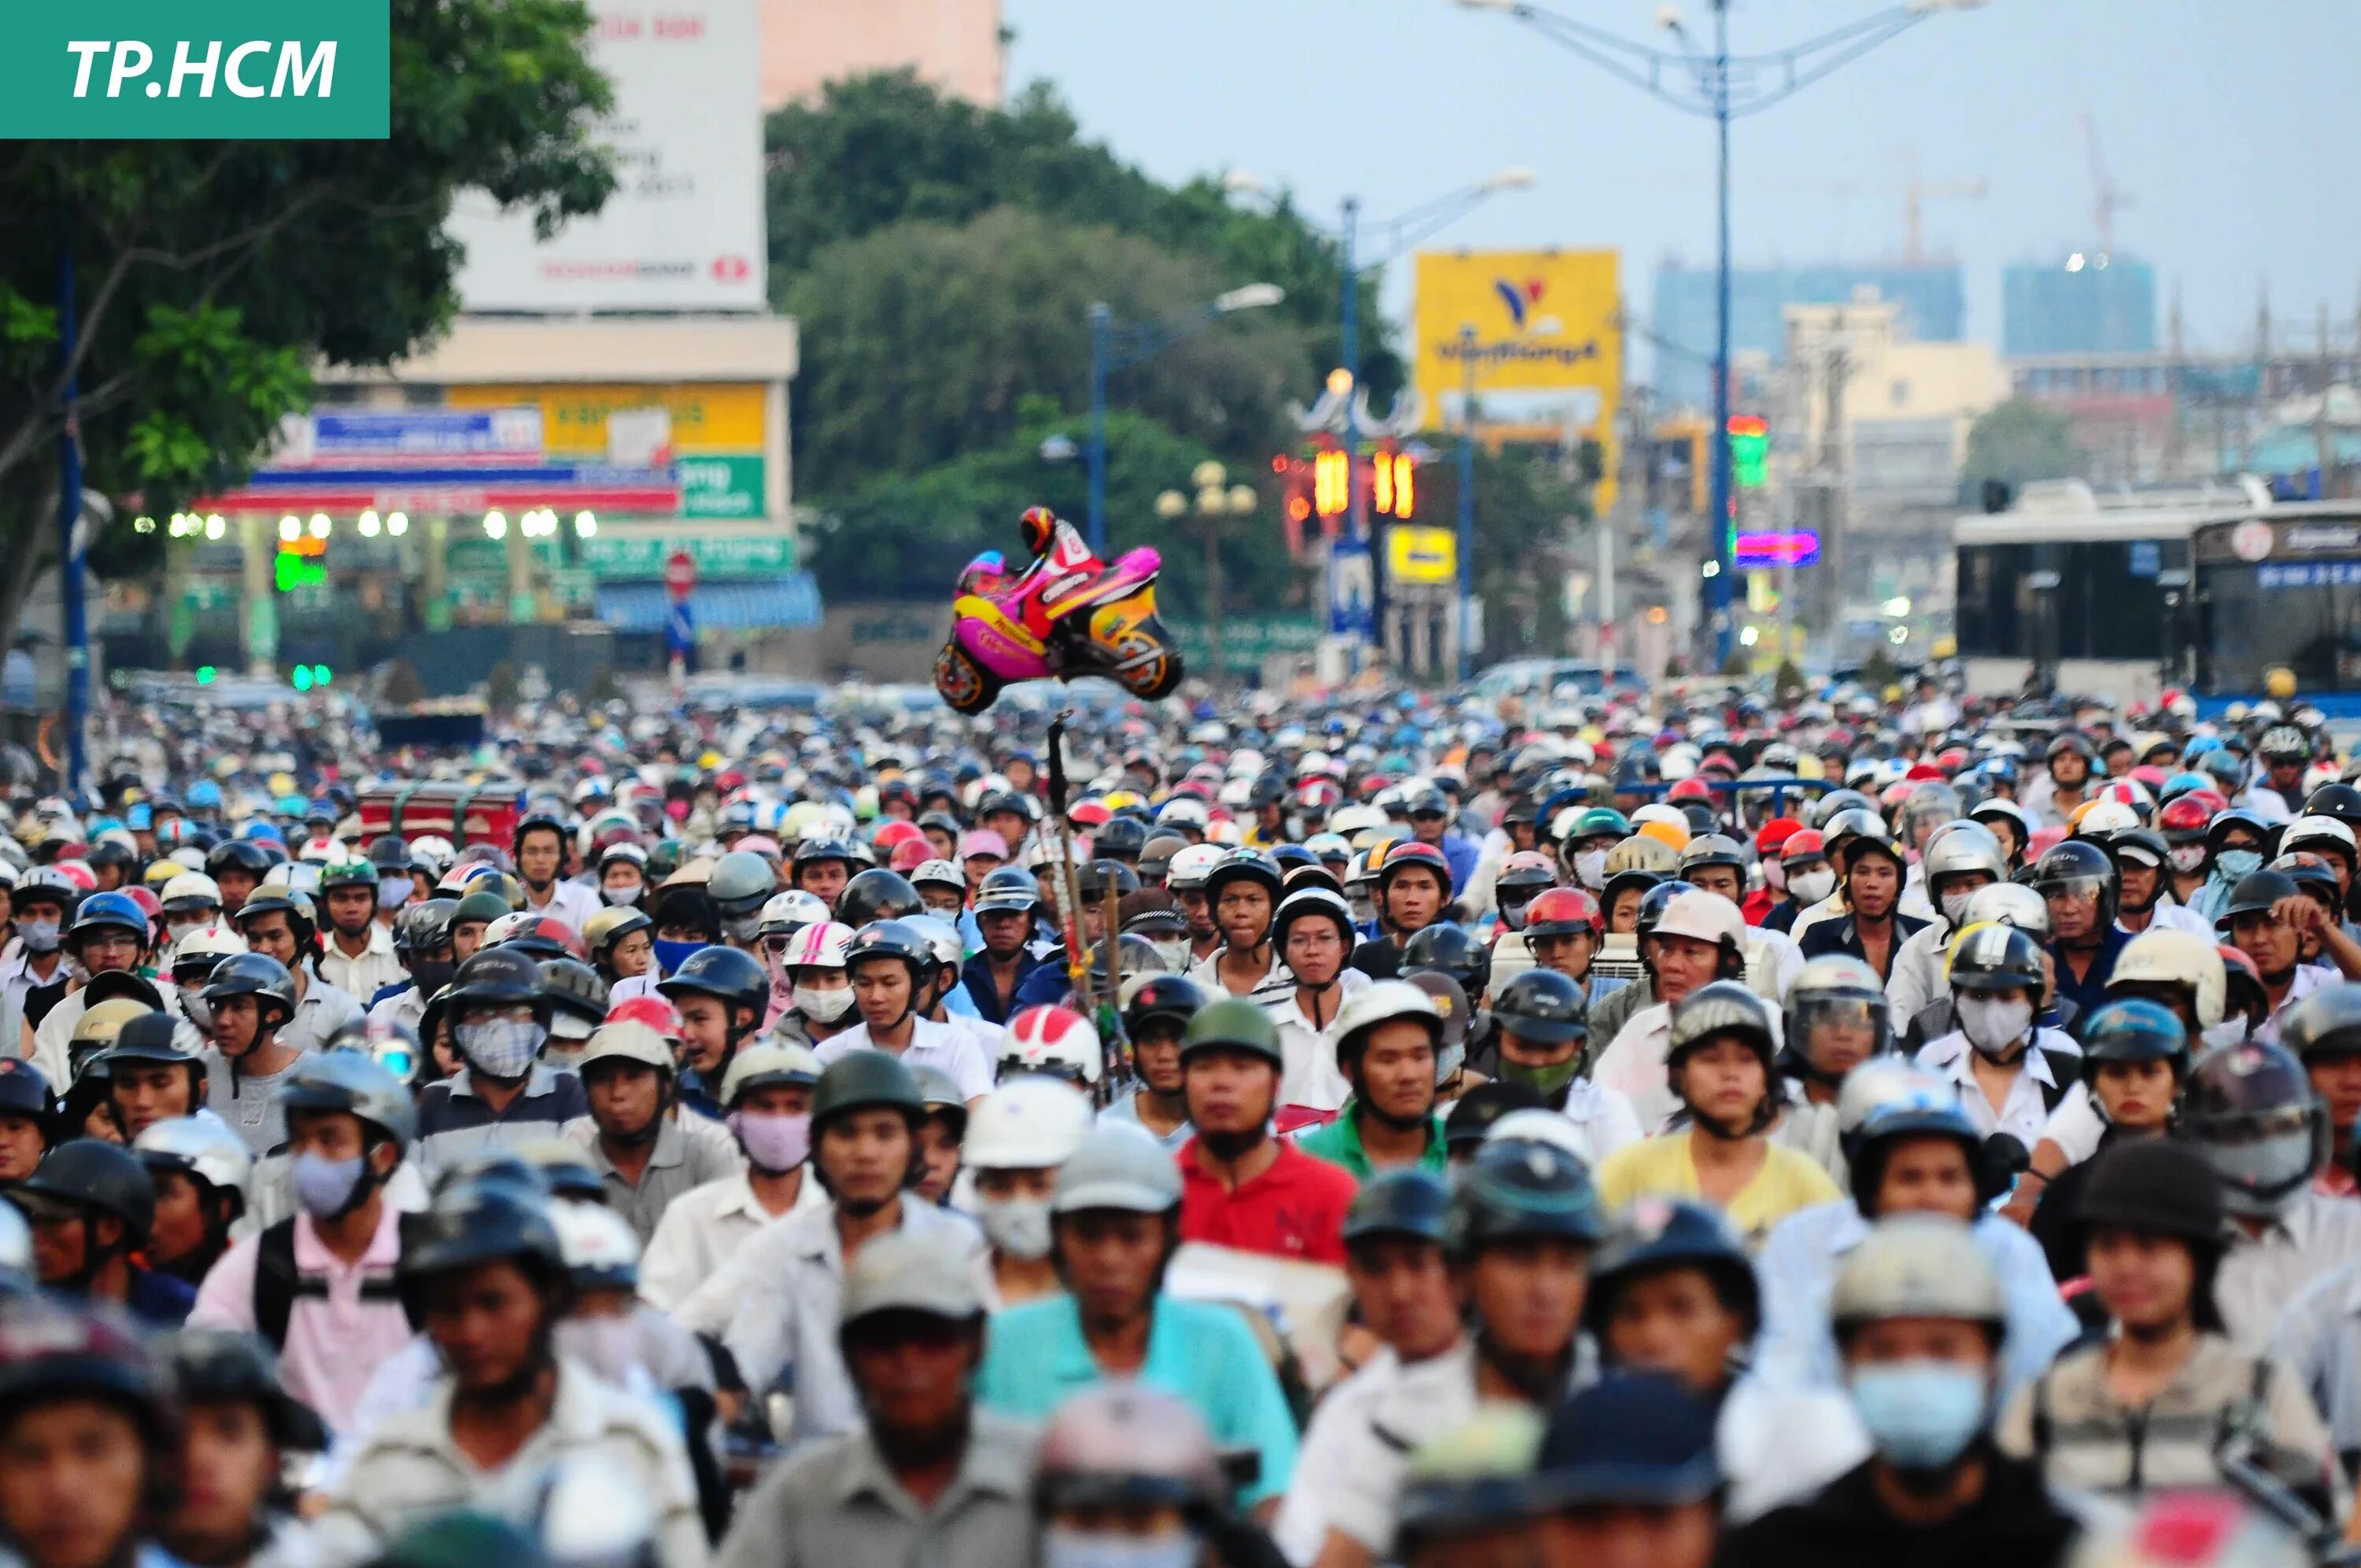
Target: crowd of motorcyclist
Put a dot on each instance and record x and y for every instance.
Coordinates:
(1858, 1128)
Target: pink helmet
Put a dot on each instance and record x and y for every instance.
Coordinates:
(819, 945)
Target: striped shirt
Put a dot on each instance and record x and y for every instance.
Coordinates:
(456, 1124)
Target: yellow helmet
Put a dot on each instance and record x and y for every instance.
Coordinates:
(1669, 834)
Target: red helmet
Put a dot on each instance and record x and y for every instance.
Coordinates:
(2183, 819)
(1804, 844)
(1039, 526)
(1089, 813)
(894, 834)
(910, 854)
(1563, 911)
(1775, 833)
(2215, 801)
(1410, 852)
(1690, 789)
(657, 1013)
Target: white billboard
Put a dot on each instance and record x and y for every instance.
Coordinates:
(684, 229)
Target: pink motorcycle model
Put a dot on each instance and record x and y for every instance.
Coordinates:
(1104, 625)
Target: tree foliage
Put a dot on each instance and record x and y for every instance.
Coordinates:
(2016, 442)
(210, 276)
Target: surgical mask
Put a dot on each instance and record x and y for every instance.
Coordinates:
(1921, 1415)
(1084, 1548)
(1546, 1082)
(200, 1011)
(2187, 859)
(40, 936)
(1955, 908)
(1590, 869)
(742, 931)
(826, 1006)
(670, 956)
(609, 1346)
(326, 1187)
(2235, 864)
(617, 897)
(1811, 887)
(1775, 873)
(775, 1142)
(1175, 954)
(176, 929)
(1993, 1026)
(501, 1048)
(393, 892)
(1018, 1227)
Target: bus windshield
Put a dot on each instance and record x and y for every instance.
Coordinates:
(2280, 595)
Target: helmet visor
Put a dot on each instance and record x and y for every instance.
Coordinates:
(1835, 1034)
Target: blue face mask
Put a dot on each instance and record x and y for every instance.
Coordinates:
(2237, 863)
(670, 956)
(1921, 1415)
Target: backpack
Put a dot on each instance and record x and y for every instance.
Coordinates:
(279, 1283)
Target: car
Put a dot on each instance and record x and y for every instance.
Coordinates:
(1542, 677)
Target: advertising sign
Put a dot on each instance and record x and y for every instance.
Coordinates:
(716, 433)
(1548, 342)
(684, 229)
(383, 437)
(1421, 554)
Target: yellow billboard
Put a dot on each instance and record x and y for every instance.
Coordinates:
(707, 418)
(1540, 331)
(1421, 554)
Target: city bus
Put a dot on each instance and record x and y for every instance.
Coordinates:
(2090, 593)
(2277, 590)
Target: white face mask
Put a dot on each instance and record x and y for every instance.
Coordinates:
(610, 1346)
(1811, 887)
(1955, 908)
(1018, 1227)
(1996, 1028)
(826, 1006)
(2187, 859)
(1774, 874)
(1590, 867)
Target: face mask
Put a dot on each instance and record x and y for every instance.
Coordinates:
(176, 929)
(393, 892)
(826, 1006)
(776, 1143)
(1081, 1548)
(432, 974)
(1512, 916)
(501, 1048)
(1774, 874)
(742, 931)
(200, 1011)
(41, 936)
(1018, 1227)
(1590, 869)
(1811, 887)
(670, 956)
(1921, 1415)
(609, 1346)
(1175, 954)
(617, 897)
(2235, 864)
(2260, 1179)
(2187, 858)
(1448, 1062)
(326, 1187)
(1994, 1028)
(1955, 908)
(1544, 1080)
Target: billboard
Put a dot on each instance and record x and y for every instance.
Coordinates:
(712, 433)
(1547, 345)
(684, 228)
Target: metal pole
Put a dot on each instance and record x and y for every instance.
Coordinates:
(1467, 494)
(1100, 317)
(1356, 519)
(1717, 586)
(70, 558)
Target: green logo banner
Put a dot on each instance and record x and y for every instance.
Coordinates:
(166, 69)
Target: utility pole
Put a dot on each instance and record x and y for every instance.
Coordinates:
(2175, 385)
(2326, 456)
(1837, 369)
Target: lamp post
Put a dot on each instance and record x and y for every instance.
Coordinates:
(1721, 87)
(1467, 551)
(1215, 499)
(1116, 348)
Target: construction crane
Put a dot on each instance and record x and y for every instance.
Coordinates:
(1914, 233)
(2107, 197)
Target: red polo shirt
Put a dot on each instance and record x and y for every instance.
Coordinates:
(1295, 1210)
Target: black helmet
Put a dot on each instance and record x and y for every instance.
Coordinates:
(25, 1090)
(810, 851)
(2134, 1029)
(1543, 1006)
(1269, 789)
(1173, 996)
(861, 1080)
(574, 988)
(2252, 1110)
(2325, 1024)
(1011, 888)
(733, 977)
(2257, 892)
(2160, 1185)
(54, 1349)
(423, 927)
(2341, 801)
(257, 975)
(238, 855)
(1119, 837)
(1517, 1188)
(1248, 865)
(2073, 865)
(1623, 882)
(1449, 949)
(891, 939)
(1655, 901)
(1098, 879)
(877, 895)
(216, 1366)
(1472, 1114)
(479, 1218)
(1653, 1234)
(1406, 1202)
(390, 855)
(93, 1174)
(1997, 958)
(504, 976)
(534, 822)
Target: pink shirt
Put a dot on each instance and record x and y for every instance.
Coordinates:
(334, 1345)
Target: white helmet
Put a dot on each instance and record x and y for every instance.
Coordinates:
(1706, 916)
(1534, 1126)
(1381, 1002)
(2106, 817)
(190, 892)
(1961, 845)
(625, 1040)
(941, 873)
(600, 1246)
(819, 945)
(1057, 1041)
(200, 1144)
(1188, 866)
(942, 938)
(2010, 903)
(208, 941)
(2182, 959)
(1184, 808)
(1657, 811)
(791, 911)
(1878, 1082)
(2320, 829)
(1916, 1265)
(1029, 1122)
(766, 1063)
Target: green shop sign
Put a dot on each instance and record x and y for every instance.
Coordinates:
(720, 486)
(614, 554)
(1247, 642)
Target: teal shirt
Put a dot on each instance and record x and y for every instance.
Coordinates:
(1339, 1143)
(1196, 1350)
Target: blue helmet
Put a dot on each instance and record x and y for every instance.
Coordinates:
(204, 795)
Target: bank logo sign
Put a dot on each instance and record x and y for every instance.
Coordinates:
(168, 69)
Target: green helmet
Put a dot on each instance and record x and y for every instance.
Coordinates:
(484, 906)
(1597, 823)
(1232, 1024)
(863, 1080)
(349, 873)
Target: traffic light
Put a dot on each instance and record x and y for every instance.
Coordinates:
(205, 673)
(308, 677)
(1393, 484)
(1332, 484)
(1750, 445)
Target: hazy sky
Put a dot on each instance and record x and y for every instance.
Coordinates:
(2234, 126)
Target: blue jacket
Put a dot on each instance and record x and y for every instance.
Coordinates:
(1463, 853)
(975, 979)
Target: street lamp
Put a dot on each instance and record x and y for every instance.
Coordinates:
(1216, 498)
(1721, 87)
(1116, 348)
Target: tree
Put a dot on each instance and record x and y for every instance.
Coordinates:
(210, 276)
(883, 149)
(2016, 442)
(921, 340)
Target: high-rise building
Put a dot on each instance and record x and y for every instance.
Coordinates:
(1931, 298)
(2086, 303)
(958, 45)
